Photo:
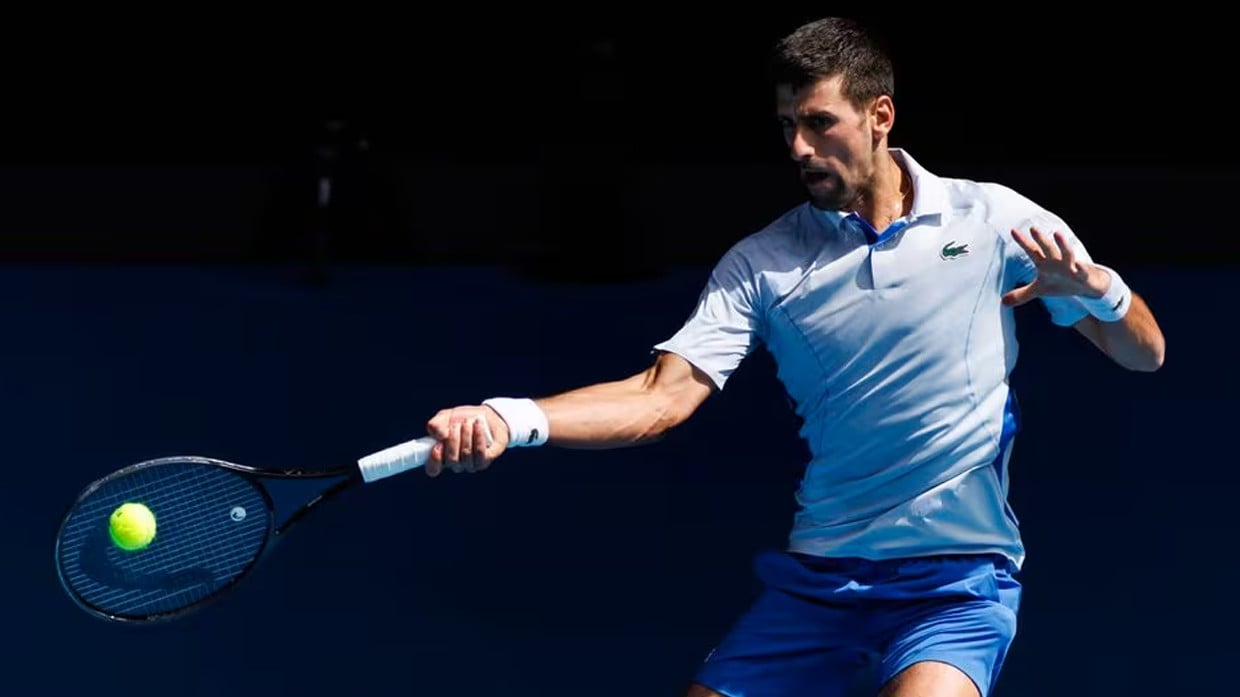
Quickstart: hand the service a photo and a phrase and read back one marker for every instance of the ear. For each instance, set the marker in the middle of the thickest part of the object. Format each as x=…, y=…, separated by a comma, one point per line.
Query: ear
x=883, y=114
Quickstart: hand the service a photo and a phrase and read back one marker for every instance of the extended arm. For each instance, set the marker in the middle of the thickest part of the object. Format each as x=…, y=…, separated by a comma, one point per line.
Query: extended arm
x=633, y=411
x=724, y=326
x=622, y=413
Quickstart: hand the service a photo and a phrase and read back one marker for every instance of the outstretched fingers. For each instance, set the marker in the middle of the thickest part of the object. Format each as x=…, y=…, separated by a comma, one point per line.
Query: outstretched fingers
x=1032, y=249
x=1050, y=249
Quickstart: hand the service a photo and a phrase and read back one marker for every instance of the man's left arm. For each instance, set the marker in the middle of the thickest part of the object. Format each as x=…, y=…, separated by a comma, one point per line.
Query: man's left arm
x=1133, y=341
x=1119, y=322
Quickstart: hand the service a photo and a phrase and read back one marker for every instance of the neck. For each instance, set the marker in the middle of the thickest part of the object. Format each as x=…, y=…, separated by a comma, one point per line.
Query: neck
x=889, y=196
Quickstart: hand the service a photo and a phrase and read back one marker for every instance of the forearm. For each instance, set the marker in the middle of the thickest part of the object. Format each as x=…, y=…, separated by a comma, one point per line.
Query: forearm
x=616, y=414
x=1122, y=325
x=611, y=415
x=1135, y=342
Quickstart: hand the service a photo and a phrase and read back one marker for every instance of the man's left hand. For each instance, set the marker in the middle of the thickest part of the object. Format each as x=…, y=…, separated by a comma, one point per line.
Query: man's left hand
x=1059, y=271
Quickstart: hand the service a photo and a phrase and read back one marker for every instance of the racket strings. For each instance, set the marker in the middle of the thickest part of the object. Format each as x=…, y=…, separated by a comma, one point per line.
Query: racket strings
x=211, y=525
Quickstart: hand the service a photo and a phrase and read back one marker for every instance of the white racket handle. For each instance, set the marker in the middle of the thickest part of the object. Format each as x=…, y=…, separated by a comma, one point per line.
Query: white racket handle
x=396, y=459
x=403, y=457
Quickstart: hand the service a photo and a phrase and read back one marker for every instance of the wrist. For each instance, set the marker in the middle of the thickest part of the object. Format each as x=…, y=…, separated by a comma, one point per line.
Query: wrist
x=1100, y=280
x=526, y=421
x=1115, y=299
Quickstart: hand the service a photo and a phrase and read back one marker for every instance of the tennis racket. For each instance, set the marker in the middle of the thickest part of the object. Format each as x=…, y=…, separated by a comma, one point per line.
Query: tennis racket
x=215, y=520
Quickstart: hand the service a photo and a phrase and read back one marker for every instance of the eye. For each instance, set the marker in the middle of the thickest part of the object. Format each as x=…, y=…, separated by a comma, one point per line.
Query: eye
x=820, y=123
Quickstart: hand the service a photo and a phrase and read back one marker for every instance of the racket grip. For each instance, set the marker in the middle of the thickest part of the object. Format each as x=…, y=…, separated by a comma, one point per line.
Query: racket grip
x=396, y=459
x=405, y=456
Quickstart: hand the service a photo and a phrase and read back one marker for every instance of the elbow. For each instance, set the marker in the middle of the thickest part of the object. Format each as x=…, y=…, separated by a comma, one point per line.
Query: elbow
x=669, y=409
x=668, y=415
x=1152, y=358
x=1155, y=361
x=673, y=390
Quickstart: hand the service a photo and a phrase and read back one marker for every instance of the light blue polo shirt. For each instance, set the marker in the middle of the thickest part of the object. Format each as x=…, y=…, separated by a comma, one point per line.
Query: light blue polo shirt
x=896, y=350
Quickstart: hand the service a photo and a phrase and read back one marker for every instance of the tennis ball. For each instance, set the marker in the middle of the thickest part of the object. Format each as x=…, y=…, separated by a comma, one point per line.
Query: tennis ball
x=132, y=526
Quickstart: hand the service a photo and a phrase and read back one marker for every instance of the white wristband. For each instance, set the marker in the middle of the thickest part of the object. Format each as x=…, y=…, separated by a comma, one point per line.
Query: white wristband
x=527, y=423
x=1114, y=304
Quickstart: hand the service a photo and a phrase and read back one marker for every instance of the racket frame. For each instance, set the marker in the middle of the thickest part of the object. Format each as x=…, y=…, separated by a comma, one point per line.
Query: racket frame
x=351, y=476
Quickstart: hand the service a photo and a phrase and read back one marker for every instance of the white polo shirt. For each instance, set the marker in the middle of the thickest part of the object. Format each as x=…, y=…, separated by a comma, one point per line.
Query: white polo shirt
x=896, y=350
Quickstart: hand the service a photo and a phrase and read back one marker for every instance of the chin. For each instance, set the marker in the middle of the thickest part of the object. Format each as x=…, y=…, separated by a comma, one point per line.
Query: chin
x=830, y=195
x=827, y=201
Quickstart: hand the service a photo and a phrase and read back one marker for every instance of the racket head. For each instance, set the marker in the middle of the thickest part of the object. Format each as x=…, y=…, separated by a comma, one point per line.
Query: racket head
x=214, y=521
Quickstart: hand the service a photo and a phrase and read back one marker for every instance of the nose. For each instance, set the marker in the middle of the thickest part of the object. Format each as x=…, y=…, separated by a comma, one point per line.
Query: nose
x=798, y=147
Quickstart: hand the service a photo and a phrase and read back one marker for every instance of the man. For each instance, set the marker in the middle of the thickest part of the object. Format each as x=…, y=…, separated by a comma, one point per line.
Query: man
x=886, y=301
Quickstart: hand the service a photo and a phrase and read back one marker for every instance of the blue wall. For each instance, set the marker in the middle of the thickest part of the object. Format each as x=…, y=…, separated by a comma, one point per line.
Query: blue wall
x=563, y=572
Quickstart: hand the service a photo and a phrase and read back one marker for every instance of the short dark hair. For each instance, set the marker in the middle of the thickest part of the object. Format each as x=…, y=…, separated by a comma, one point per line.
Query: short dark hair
x=834, y=46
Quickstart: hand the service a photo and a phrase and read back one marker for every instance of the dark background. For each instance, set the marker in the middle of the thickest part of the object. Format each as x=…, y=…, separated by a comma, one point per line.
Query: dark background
x=523, y=202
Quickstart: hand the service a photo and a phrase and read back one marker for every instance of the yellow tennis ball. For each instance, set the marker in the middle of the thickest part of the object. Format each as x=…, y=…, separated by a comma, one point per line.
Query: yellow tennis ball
x=132, y=526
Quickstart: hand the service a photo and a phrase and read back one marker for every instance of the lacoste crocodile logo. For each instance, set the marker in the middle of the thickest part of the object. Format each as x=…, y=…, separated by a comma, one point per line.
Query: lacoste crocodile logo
x=952, y=251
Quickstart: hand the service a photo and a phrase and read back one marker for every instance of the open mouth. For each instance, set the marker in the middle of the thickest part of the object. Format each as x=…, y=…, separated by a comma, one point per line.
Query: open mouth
x=813, y=177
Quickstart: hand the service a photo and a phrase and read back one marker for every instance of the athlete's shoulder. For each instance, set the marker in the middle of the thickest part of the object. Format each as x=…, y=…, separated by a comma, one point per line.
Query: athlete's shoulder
x=992, y=199
x=998, y=206
x=972, y=201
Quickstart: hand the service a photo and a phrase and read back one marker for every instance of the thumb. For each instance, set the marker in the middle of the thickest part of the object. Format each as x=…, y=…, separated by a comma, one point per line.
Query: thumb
x=437, y=425
x=1022, y=295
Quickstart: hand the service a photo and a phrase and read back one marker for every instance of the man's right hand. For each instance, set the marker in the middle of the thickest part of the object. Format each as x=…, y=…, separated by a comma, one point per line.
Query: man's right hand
x=462, y=435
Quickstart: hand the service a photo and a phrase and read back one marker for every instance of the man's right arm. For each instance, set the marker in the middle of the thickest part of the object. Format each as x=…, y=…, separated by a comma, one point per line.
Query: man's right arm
x=621, y=413
x=634, y=411
x=722, y=329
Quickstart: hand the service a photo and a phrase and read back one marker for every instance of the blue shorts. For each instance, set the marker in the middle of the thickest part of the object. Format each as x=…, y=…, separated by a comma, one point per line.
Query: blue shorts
x=822, y=625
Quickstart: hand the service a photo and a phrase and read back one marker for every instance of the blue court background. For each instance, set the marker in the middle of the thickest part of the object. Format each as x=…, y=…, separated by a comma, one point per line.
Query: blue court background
x=563, y=572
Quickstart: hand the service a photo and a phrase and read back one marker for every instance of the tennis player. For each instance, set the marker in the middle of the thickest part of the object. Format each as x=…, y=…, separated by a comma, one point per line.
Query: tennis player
x=887, y=301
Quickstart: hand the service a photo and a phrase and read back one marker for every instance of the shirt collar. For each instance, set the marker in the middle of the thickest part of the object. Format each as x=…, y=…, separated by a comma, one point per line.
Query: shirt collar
x=930, y=196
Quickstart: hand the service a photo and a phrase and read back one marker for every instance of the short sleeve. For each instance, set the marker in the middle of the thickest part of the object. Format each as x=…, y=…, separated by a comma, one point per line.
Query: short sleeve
x=1020, y=270
x=725, y=325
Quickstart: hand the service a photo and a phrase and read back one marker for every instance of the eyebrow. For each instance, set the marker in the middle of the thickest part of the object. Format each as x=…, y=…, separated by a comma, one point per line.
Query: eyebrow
x=816, y=113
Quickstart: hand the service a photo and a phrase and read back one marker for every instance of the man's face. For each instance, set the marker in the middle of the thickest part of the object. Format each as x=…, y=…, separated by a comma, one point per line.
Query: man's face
x=834, y=144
